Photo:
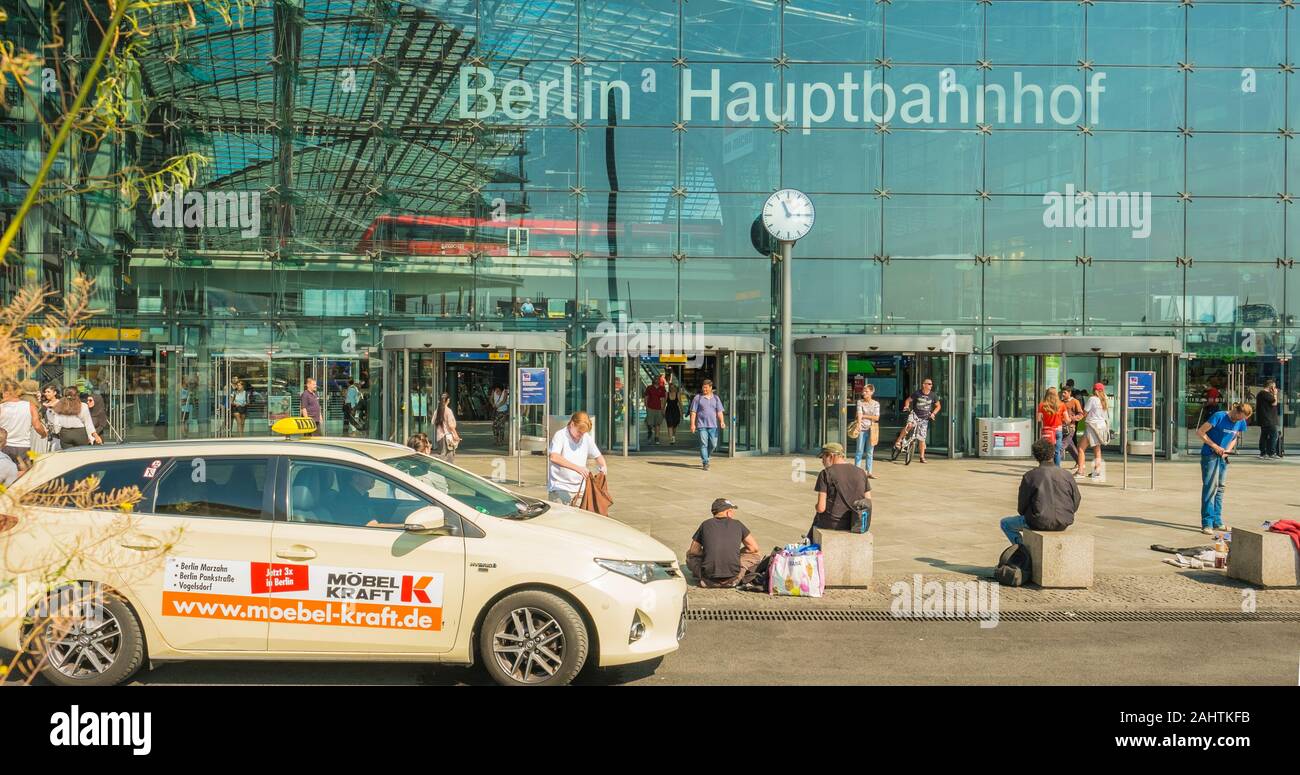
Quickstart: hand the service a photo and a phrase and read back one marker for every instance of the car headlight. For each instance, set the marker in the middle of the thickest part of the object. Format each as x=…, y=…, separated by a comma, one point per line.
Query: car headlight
x=644, y=572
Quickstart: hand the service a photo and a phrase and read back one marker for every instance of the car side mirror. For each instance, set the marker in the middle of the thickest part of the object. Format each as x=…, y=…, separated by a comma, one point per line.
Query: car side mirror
x=428, y=519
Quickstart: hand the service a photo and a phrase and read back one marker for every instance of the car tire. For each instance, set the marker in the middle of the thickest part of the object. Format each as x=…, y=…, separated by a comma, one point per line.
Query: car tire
x=518, y=640
x=119, y=656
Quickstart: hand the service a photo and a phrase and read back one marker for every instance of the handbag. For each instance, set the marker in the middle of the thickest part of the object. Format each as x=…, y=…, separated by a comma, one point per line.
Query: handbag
x=797, y=574
x=854, y=430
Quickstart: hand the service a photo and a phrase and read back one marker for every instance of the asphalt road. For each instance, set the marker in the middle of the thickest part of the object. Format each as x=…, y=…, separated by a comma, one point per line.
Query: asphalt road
x=840, y=653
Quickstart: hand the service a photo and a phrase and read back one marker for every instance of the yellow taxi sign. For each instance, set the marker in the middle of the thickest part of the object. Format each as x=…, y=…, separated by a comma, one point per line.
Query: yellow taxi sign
x=294, y=426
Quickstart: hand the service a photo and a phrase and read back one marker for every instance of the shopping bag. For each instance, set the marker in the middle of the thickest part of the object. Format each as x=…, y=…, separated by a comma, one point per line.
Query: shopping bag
x=797, y=574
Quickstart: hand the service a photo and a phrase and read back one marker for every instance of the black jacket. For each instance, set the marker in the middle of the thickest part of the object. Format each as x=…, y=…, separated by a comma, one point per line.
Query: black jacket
x=1049, y=497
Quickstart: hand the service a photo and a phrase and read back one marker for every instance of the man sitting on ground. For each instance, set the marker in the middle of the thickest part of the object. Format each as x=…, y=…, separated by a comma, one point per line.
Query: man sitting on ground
x=839, y=486
x=1049, y=496
x=723, y=551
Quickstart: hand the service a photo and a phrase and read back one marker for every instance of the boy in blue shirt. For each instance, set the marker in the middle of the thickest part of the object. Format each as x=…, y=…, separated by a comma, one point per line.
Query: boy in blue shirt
x=1221, y=432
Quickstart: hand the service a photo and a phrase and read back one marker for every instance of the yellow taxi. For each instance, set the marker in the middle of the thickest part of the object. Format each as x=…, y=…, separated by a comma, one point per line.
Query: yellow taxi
x=325, y=549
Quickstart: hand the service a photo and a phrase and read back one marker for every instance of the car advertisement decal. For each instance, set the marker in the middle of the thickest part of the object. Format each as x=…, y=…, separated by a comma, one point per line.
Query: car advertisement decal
x=302, y=594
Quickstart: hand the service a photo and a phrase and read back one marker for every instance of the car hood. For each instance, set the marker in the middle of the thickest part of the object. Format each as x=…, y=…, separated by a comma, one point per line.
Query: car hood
x=629, y=543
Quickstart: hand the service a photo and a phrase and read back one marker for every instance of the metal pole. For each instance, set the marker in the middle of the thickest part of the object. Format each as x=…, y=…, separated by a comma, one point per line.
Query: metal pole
x=787, y=351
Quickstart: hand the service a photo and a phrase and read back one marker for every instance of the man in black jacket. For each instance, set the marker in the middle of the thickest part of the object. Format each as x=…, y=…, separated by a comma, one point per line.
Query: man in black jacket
x=1049, y=496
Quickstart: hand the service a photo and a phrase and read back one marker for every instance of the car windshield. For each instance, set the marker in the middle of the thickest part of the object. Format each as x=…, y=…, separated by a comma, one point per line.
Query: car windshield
x=479, y=494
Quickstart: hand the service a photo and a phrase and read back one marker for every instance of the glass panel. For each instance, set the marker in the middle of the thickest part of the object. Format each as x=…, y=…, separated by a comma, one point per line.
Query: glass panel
x=744, y=414
x=723, y=29
x=1123, y=33
x=938, y=31
x=931, y=291
x=1033, y=292
x=835, y=291
x=1034, y=33
x=832, y=30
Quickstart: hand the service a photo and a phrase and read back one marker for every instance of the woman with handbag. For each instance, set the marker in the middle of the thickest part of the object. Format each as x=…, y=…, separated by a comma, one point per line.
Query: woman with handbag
x=444, y=423
x=866, y=427
x=70, y=420
x=1052, y=415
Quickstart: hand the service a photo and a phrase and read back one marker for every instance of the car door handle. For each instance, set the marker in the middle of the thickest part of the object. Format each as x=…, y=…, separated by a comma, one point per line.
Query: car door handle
x=141, y=543
x=297, y=552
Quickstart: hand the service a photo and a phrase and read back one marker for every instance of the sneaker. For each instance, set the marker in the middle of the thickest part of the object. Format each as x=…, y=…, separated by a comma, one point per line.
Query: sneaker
x=1209, y=531
x=706, y=466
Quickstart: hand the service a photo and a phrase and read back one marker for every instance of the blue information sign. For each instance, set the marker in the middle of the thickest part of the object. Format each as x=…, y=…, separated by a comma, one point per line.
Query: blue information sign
x=1141, y=390
x=532, y=387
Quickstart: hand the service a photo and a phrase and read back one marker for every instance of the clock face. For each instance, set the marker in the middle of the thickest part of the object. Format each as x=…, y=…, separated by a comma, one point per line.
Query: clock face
x=788, y=214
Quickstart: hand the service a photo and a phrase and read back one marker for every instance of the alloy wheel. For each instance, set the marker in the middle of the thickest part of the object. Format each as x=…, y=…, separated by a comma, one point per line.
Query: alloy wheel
x=529, y=645
x=86, y=646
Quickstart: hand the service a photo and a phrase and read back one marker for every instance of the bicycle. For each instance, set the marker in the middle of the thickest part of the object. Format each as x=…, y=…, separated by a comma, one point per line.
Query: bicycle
x=908, y=444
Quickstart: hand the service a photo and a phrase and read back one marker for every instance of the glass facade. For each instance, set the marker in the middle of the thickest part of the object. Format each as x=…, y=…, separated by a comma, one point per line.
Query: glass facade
x=998, y=168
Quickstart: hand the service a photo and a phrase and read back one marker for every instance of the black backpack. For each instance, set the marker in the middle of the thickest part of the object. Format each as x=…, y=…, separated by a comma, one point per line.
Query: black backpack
x=1014, y=567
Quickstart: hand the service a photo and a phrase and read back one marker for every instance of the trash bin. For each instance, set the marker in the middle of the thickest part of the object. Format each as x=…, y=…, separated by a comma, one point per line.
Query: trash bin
x=1005, y=436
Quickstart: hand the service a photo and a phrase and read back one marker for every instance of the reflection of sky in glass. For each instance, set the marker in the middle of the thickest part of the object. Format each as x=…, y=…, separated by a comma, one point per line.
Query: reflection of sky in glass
x=376, y=106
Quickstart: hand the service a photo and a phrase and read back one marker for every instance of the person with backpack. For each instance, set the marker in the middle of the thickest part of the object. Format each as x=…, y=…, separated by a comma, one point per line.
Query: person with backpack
x=1048, y=499
x=723, y=551
x=708, y=419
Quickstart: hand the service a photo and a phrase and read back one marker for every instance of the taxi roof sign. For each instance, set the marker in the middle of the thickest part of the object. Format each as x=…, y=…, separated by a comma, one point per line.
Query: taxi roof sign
x=294, y=426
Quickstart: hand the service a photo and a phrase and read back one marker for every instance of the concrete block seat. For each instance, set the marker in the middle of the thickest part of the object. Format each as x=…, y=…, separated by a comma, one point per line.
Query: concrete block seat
x=1061, y=559
x=1262, y=558
x=847, y=557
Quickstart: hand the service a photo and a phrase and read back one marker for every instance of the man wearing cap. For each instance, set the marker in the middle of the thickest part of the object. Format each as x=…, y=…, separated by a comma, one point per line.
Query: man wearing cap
x=722, y=550
x=839, y=486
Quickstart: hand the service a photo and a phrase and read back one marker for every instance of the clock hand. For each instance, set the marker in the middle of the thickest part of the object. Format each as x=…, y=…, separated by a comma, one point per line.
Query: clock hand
x=787, y=209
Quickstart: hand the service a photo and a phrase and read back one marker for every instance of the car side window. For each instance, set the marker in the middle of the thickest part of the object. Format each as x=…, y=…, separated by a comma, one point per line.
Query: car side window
x=336, y=494
x=109, y=476
x=213, y=487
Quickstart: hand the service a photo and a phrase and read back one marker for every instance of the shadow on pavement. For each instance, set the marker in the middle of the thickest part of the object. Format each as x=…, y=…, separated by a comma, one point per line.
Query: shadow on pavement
x=673, y=465
x=1156, y=522
x=983, y=571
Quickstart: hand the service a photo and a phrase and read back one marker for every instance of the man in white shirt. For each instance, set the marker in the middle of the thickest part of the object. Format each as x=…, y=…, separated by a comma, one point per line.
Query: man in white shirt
x=571, y=448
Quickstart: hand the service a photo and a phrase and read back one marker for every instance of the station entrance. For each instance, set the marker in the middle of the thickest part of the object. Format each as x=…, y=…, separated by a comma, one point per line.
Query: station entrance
x=831, y=372
x=419, y=366
x=1025, y=367
x=617, y=394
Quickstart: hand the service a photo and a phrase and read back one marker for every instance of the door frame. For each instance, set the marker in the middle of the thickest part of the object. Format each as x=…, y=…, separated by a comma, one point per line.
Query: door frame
x=633, y=347
x=397, y=347
x=1166, y=348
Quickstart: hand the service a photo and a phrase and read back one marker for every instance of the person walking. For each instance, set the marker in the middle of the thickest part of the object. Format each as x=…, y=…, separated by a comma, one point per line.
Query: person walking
x=672, y=405
x=1073, y=413
x=20, y=420
x=708, y=420
x=499, y=398
x=1051, y=415
x=71, y=422
x=310, y=404
x=1221, y=433
x=868, y=420
x=656, y=395
x=1270, y=435
x=1096, y=429
x=444, y=427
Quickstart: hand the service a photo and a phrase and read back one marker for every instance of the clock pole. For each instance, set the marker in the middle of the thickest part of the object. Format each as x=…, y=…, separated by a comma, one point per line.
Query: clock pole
x=787, y=349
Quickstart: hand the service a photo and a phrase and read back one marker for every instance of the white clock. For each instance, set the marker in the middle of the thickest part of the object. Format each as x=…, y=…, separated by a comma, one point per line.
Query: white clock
x=788, y=215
